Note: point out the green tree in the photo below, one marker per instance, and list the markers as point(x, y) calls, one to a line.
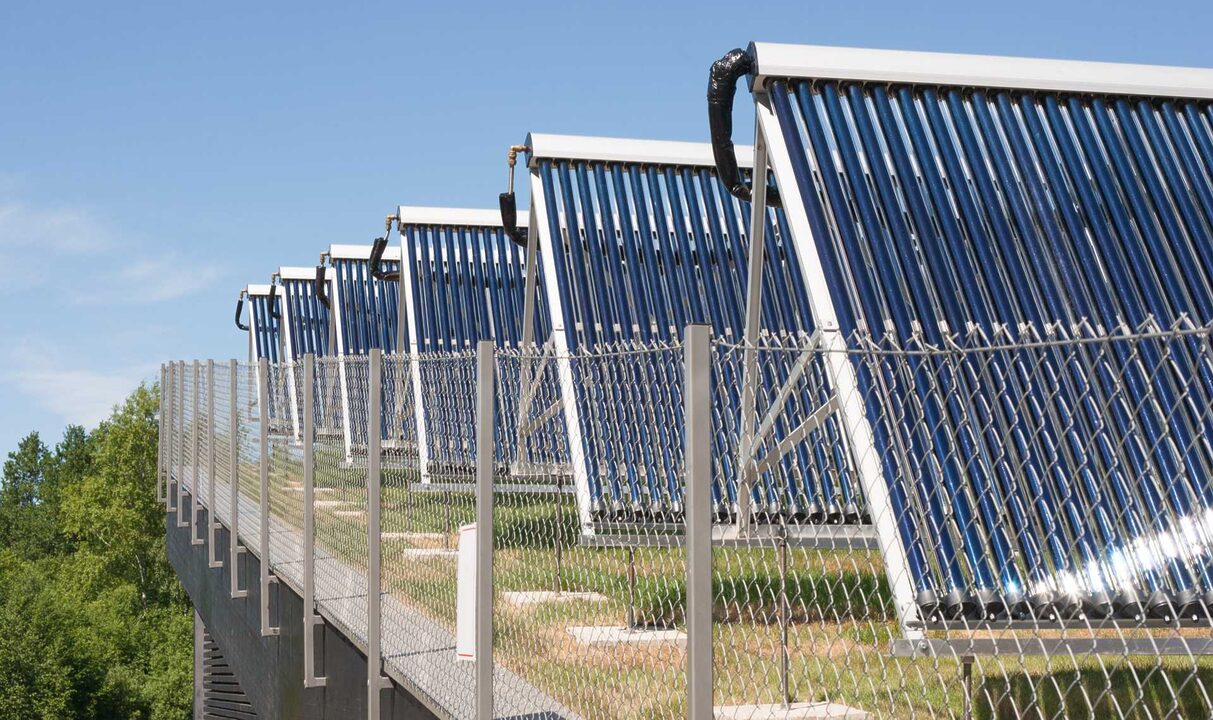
point(92, 621)
point(113, 511)
point(27, 526)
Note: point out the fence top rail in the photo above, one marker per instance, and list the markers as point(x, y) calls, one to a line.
point(820, 62)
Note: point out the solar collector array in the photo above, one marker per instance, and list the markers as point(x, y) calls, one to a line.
point(939, 209)
point(465, 281)
point(368, 306)
point(306, 318)
point(264, 327)
point(649, 242)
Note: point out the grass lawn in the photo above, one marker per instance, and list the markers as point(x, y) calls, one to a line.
point(840, 629)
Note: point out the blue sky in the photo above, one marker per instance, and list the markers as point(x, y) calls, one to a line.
point(154, 159)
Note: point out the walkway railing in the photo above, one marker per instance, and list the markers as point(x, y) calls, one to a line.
point(991, 528)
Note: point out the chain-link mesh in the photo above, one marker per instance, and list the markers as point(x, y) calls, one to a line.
point(1009, 453)
point(203, 446)
point(428, 494)
point(342, 387)
point(588, 575)
point(223, 439)
point(189, 418)
point(1016, 526)
point(286, 472)
point(248, 476)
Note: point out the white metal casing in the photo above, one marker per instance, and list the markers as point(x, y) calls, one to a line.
point(820, 62)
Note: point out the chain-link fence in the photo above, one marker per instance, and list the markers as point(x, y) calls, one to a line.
point(587, 569)
point(1015, 525)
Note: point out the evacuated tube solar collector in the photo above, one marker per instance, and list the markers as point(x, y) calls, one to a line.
point(639, 239)
point(1020, 202)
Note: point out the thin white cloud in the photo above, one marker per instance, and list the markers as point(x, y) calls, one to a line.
point(80, 396)
point(76, 395)
point(53, 232)
point(87, 262)
point(145, 280)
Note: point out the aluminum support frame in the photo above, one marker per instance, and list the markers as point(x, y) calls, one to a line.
point(408, 310)
point(854, 420)
point(564, 367)
point(753, 319)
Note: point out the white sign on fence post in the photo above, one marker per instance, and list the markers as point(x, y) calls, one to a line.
point(465, 596)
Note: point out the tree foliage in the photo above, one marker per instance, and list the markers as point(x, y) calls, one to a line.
point(92, 621)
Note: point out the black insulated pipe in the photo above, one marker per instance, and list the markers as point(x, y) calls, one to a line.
point(274, 312)
point(240, 311)
point(322, 290)
point(509, 218)
point(722, 87)
point(377, 248)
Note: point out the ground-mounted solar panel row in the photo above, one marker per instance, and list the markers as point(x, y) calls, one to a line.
point(643, 239)
point(977, 246)
point(1024, 480)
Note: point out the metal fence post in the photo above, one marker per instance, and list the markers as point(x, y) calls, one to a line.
point(234, 547)
point(310, 618)
point(485, 381)
point(263, 373)
point(160, 484)
point(697, 415)
point(211, 521)
point(195, 431)
point(168, 418)
point(375, 681)
point(179, 406)
point(195, 537)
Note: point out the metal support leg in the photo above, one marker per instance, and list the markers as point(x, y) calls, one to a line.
point(631, 616)
point(195, 461)
point(263, 509)
point(446, 520)
point(161, 427)
point(375, 681)
point(168, 418)
point(698, 519)
point(234, 547)
point(851, 411)
point(212, 521)
point(559, 586)
point(485, 382)
point(310, 618)
point(785, 691)
point(753, 317)
point(966, 664)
